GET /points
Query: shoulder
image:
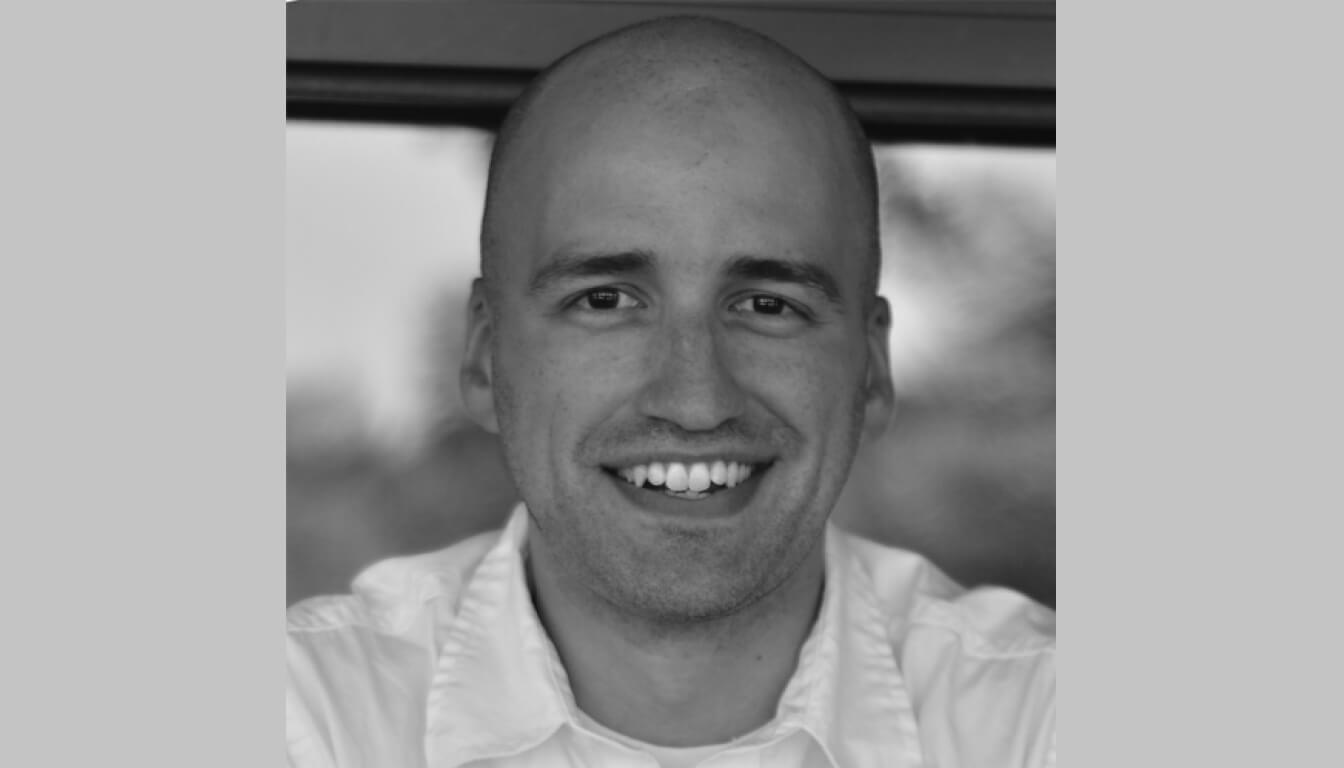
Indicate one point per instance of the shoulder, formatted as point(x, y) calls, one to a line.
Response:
point(914, 595)
point(391, 595)
point(359, 665)
point(979, 663)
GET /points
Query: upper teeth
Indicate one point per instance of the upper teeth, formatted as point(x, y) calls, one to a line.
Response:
point(697, 477)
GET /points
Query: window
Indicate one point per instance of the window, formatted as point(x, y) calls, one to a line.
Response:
point(391, 107)
point(381, 247)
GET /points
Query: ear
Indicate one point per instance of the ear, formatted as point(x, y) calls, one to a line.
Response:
point(880, 397)
point(476, 378)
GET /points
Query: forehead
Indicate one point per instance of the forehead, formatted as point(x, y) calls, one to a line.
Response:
point(692, 185)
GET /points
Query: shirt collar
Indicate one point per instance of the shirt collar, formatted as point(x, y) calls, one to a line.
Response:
point(494, 692)
point(848, 691)
point(499, 688)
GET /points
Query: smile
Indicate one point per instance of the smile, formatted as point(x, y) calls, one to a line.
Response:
point(689, 481)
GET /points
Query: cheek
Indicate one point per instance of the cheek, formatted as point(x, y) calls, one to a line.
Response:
point(809, 386)
point(560, 381)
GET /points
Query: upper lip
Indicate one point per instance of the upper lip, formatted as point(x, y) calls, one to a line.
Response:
point(737, 455)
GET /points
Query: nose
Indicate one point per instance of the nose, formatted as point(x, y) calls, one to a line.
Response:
point(690, 378)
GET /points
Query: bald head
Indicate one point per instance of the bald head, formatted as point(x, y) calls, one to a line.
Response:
point(679, 260)
point(715, 84)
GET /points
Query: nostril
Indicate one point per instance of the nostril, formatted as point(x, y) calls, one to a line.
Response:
point(693, 387)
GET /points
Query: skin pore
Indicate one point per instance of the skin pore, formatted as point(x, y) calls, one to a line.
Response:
point(679, 265)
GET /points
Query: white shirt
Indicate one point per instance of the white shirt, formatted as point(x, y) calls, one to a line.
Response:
point(439, 660)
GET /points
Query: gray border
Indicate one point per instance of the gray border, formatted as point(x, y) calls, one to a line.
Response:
point(1198, 412)
point(144, 492)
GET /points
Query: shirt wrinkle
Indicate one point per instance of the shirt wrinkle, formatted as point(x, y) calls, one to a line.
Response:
point(987, 641)
point(493, 686)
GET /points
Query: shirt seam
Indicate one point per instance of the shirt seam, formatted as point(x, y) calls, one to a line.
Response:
point(966, 639)
point(359, 616)
point(354, 611)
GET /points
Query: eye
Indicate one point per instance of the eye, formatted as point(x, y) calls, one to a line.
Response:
point(606, 299)
point(762, 304)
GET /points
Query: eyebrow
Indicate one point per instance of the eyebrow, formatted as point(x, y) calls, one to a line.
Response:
point(784, 271)
point(574, 266)
point(580, 265)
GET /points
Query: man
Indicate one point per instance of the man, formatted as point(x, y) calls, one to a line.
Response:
point(678, 339)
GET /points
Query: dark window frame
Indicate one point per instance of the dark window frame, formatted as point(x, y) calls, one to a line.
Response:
point(946, 71)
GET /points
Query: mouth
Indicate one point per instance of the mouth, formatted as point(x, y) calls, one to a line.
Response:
point(688, 481)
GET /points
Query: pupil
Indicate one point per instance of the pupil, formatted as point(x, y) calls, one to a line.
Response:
point(603, 299)
point(768, 305)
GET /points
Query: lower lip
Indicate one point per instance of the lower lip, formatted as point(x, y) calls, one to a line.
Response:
point(720, 504)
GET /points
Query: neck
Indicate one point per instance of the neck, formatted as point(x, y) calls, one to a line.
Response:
point(684, 685)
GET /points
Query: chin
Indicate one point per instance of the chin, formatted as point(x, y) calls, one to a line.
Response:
point(660, 602)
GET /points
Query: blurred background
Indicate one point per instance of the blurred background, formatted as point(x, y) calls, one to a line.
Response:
point(383, 214)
